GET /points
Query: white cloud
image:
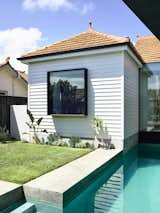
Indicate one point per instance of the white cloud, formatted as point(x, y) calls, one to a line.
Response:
point(88, 7)
point(55, 5)
point(48, 4)
point(14, 42)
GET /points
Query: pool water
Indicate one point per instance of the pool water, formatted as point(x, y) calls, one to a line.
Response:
point(134, 187)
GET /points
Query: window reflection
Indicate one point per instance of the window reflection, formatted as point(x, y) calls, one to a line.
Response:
point(154, 102)
point(67, 92)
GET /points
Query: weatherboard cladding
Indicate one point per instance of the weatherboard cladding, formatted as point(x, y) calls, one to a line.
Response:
point(104, 94)
point(131, 97)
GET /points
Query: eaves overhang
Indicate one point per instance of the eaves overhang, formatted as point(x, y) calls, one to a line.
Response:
point(83, 52)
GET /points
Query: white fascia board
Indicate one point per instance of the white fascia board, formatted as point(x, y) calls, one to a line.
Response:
point(76, 54)
point(134, 57)
point(147, 70)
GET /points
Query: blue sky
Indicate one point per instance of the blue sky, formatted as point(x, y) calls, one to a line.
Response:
point(28, 24)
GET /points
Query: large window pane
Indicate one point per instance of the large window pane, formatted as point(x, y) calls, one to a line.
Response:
point(154, 102)
point(67, 92)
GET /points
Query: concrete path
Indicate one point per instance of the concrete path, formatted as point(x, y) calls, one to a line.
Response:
point(52, 186)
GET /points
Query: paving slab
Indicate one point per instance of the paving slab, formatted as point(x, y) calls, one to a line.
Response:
point(52, 186)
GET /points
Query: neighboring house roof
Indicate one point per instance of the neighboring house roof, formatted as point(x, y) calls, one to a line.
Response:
point(23, 75)
point(149, 48)
point(90, 39)
point(20, 74)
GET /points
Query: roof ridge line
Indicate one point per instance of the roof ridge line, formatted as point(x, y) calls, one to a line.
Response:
point(145, 36)
point(106, 34)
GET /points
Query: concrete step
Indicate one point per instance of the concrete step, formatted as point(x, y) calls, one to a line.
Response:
point(25, 208)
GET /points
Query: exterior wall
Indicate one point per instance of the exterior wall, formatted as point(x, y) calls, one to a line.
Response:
point(13, 86)
point(105, 73)
point(20, 89)
point(18, 119)
point(131, 101)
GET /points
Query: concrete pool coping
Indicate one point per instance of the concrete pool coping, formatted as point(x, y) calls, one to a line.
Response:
point(6, 187)
point(10, 193)
point(52, 186)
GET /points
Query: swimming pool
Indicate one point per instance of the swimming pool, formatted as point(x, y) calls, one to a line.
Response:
point(129, 184)
point(134, 186)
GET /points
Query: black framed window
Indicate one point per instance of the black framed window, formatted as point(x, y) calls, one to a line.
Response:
point(67, 92)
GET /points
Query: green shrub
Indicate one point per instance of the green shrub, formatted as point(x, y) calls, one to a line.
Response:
point(88, 145)
point(91, 145)
point(60, 143)
point(4, 134)
point(84, 145)
point(73, 141)
point(81, 145)
point(25, 141)
point(51, 138)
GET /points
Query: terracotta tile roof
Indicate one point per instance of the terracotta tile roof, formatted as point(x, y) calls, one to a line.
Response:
point(85, 40)
point(149, 48)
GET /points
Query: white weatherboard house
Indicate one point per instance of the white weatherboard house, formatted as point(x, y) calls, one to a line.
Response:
point(89, 75)
point(12, 82)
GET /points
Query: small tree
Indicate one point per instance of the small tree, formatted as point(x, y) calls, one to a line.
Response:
point(34, 126)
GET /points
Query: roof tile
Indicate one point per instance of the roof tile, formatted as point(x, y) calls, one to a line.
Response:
point(88, 39)
point(149, 48)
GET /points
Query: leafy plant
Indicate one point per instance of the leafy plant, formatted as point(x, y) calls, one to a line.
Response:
point(60, 143)
point(84, 145)
point(34, 125)
point(98, 125)
point(52, 137)
point(73, 141)
point(4, 134)
point(101, 133)
point(81, 145)
point(90, 145)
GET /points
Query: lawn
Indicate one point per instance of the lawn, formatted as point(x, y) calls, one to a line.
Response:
point(22, 162)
